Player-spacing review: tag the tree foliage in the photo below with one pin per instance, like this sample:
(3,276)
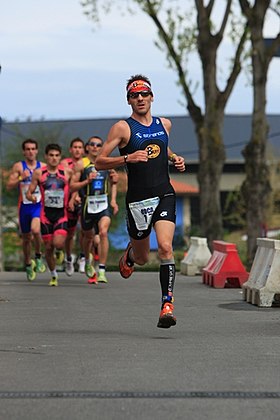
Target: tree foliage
(12,151)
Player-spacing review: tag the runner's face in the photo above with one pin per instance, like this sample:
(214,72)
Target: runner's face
(30,152)
(77,150)
(53,158)
(94,147)
(141,105)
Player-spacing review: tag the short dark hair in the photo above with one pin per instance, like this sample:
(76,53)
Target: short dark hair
(32,141)
(75,140)
(53,146)
(134,79)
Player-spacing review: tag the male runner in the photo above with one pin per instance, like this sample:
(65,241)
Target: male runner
(76,150)
(29,213)
(96,215)
(150,201)
(53,180)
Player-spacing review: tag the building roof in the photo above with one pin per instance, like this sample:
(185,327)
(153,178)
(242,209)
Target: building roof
(183,187)
(237,132)
(179,187)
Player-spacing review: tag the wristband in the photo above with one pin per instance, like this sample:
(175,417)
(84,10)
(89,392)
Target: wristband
(125,158)
(171,157)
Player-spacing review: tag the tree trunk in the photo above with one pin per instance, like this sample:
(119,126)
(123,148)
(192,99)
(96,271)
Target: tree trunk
(256,188)
(256,192)
(212,157)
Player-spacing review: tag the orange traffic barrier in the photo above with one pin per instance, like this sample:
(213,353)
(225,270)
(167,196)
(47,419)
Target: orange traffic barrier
(224,268)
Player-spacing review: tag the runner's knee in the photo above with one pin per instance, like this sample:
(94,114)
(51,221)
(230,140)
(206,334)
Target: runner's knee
(26,237)
(88,235)
(103,233)
(36,231)
(165,250)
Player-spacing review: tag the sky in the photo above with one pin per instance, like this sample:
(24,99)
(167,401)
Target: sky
(59,65)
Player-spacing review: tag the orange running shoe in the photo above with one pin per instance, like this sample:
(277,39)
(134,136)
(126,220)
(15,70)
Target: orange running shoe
(93,279)
(166,317)
(126,270)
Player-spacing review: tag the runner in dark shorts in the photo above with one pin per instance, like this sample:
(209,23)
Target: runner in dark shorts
(142,140)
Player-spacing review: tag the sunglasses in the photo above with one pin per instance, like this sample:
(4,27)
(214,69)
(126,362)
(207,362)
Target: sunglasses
(135,95)
(93,143)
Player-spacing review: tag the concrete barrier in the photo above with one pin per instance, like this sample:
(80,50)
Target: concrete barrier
(264,280)
(197,257)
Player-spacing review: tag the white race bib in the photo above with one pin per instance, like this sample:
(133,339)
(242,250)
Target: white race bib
(37,193)
(142,212)
(97,203)
(54,198)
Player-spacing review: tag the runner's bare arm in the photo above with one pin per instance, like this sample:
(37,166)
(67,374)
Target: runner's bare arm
(166,124)
(34,182)
(178,161)
(75,183)
(114,176)
(113,201)
(15,176)
(69,173)
(118,136)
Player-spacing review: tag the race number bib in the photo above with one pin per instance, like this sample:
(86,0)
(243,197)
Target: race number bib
(37,193)
(142,212)
(54,198)
(97,203)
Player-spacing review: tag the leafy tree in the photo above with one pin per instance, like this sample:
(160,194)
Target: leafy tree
(12,151)
(256,188)
(177,36)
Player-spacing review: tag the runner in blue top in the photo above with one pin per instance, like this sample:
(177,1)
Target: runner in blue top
(150,201)
(98,190)
(29,213)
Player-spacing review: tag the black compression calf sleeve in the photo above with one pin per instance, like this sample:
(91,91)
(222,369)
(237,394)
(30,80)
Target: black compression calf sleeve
(167,277)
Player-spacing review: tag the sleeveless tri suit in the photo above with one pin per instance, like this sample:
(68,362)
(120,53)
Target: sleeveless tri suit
(27,210)
(54,189)
(150,196)
(94,197)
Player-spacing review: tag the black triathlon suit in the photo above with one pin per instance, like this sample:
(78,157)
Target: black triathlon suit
(150,196)
(94,197)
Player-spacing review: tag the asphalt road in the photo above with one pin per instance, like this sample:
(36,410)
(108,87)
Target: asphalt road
(83,351)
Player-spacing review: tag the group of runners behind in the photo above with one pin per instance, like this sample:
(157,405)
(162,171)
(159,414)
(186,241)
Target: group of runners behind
(56,195)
